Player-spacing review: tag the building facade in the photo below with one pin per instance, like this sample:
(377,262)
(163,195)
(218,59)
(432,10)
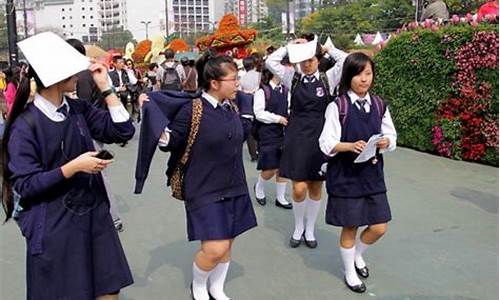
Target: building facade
(193,16)
(247,11)
(82,19)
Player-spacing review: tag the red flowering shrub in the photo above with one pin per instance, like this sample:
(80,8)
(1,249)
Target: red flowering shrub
(442,85)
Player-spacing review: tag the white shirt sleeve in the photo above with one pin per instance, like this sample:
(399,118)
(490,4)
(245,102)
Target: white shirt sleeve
(332,130)
(164,142)
(131,76)
(259,109)
(389,131)
(118,113)
(334,74)
(273,63)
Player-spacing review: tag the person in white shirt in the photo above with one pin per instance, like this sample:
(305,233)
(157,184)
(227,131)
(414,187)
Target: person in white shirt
(170,73)
(301,158)
(270,108)
(356,191)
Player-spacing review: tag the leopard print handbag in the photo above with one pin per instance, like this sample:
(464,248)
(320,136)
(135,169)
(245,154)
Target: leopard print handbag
(177,179)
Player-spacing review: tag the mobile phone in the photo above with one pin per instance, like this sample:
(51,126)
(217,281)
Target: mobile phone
(105,154)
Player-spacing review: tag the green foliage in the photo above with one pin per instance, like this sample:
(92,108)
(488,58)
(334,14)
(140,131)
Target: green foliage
(462,7)
(269,31)
(415,74)
(347,18)
(116,37)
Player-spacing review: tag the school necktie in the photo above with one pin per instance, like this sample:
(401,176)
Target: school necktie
(309,79)
(278,89)
(63,110)
(361,103)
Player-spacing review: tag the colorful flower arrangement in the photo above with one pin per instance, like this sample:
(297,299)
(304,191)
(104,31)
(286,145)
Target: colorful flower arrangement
(142,48)
(441,80)
(465,127)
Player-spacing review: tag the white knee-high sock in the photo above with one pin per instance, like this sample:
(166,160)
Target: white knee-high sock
(298,212)
(348,260)
(217,279)
(360,249)
(260,187)
(312,209)
(200,277)
(280,192)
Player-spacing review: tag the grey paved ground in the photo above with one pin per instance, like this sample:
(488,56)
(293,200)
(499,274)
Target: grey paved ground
(442,243)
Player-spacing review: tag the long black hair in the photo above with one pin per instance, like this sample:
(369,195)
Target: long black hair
(20,101)
(12,75)
(354,64)
(211,66)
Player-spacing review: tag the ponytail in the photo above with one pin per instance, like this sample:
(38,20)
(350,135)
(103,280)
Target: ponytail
(20,101)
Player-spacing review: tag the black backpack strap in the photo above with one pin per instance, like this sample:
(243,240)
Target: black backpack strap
(295,81)
(324,80)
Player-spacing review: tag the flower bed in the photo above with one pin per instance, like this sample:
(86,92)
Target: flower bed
(442,85)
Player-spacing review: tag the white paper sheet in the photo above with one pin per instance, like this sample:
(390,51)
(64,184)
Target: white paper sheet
(370,149)
(301,52)
(52,58)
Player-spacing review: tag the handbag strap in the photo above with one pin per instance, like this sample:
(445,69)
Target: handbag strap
(193,132)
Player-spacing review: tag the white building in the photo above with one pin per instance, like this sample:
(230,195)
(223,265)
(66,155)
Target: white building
(247,11)
(192,16)
(82,19)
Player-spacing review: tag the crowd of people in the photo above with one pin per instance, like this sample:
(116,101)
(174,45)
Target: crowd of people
(308,119)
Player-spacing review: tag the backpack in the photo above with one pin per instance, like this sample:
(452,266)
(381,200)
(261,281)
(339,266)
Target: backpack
(322,78)
(343,102)
(254,131)
(170,79)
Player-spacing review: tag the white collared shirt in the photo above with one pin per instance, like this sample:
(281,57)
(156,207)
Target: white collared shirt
(118,113)
(334,74)
(259,106)
(332,129)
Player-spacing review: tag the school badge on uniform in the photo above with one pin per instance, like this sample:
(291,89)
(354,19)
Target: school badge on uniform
(320,92)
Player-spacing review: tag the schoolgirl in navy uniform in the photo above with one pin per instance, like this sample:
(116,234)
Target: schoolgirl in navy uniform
(218,206)
(73,250)
(301,159)
(271,118)
(357,192)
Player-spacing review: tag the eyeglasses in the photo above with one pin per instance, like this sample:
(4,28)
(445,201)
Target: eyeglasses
(228,79)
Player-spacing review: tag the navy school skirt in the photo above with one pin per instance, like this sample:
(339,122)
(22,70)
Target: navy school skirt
(82,255)
(269,157)
(349,212)
(221,220)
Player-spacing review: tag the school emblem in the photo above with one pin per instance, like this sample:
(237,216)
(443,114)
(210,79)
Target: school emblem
(320,92)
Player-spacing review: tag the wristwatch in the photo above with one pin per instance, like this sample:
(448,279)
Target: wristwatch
(108,92)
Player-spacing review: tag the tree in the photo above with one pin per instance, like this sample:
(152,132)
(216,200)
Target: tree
(3,32)
(116,37)
(275,8)
(345,19)
(268,31)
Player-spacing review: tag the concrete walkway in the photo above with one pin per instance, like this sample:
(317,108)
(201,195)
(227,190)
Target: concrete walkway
(442,243)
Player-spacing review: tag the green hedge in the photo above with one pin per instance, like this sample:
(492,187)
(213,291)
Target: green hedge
(416,73)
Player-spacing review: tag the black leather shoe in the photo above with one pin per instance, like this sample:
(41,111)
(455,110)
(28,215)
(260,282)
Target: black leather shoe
(294,243)
(360,288)
(311,244)
(261,201)
(363,272)
(285,206)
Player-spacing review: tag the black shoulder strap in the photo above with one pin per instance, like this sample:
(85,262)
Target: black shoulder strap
(324,80)
(295,81)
